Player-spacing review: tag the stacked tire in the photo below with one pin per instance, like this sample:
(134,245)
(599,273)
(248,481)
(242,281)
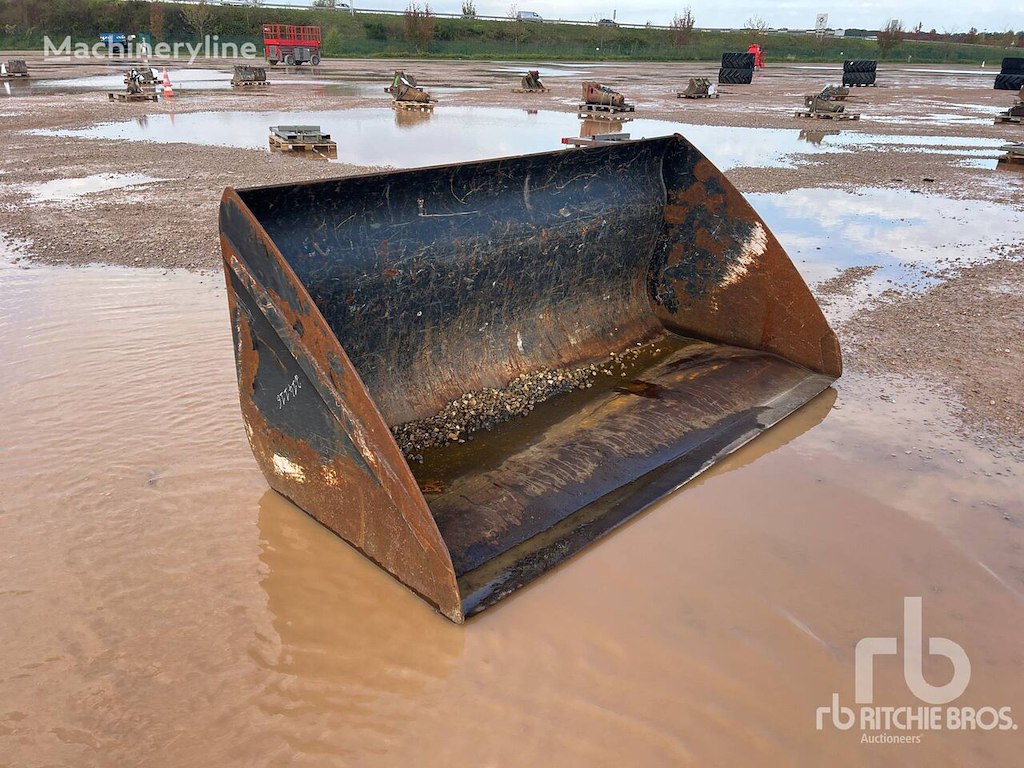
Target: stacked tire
(1011,75)
(859,71)
(737,68)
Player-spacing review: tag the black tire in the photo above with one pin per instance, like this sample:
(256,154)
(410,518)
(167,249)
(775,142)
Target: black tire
(289,60)
(1009,82)
(735,76)
(315,59)
(858,78)
(1012,65)
(860,65)
(737,60)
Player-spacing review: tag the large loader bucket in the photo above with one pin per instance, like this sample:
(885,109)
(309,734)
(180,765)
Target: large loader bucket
(470,372)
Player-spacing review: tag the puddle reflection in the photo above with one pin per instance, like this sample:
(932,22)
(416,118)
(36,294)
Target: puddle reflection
(345,635)
(816,136)
(70,189)
(905,235)
(412,118)
(592,127)
(18,86)
(370,136)
(181,79)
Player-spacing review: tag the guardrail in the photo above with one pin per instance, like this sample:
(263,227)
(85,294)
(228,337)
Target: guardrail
(388,12)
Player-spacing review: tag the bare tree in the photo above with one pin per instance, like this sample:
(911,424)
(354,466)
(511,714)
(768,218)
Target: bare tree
(156,20)
(468,9)
(681,29)
(891,36)
(199,16)
(518,26)
(756,24)
(325,3)
(948,38)
(419,25)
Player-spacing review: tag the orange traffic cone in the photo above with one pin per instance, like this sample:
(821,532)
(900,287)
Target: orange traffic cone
(168,90)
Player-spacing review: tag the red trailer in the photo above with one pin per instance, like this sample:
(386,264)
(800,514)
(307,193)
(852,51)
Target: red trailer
(291,44)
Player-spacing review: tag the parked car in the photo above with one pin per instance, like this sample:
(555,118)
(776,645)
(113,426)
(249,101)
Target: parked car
(607,23)
(528,16)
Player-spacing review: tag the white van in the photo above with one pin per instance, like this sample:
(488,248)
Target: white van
(528,16)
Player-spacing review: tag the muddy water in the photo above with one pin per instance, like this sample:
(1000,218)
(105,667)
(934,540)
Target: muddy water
(160,607)
(195,79)
(381,136)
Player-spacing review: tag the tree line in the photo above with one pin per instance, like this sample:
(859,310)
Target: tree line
(418,30)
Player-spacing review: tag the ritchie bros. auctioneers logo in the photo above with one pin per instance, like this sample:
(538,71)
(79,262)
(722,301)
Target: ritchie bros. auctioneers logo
(904,725)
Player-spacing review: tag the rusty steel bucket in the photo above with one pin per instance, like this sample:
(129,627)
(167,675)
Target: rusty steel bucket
(470,372)
(595,93)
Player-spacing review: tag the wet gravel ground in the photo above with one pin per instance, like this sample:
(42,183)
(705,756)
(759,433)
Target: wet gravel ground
(966,330)
(956,332)
(486,408)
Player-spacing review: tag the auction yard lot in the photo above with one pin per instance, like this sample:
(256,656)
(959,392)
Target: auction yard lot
(161,607)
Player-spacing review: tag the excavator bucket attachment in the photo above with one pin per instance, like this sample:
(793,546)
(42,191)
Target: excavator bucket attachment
(404,88)
(16,68)
(820,102)
(697,88)
(595,93)
(531,81)
(246,75)
(470,372)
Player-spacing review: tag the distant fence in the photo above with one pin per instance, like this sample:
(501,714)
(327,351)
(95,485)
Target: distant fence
(481,17)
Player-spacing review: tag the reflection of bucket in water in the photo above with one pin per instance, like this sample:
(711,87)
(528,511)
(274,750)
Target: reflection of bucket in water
(410,118)
(797,424)
(592,127)
(18,86)
(328,153)
(346,635)
(816,136)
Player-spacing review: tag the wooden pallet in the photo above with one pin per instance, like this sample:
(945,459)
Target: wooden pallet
(1011,159)
(14,74)
(248,83)
(323,147)
(530,90)
(685,95)
(1009,119)
(415,106)
(605,109)
(829,115)
(121,96)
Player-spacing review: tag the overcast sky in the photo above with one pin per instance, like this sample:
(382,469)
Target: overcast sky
(794,14)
